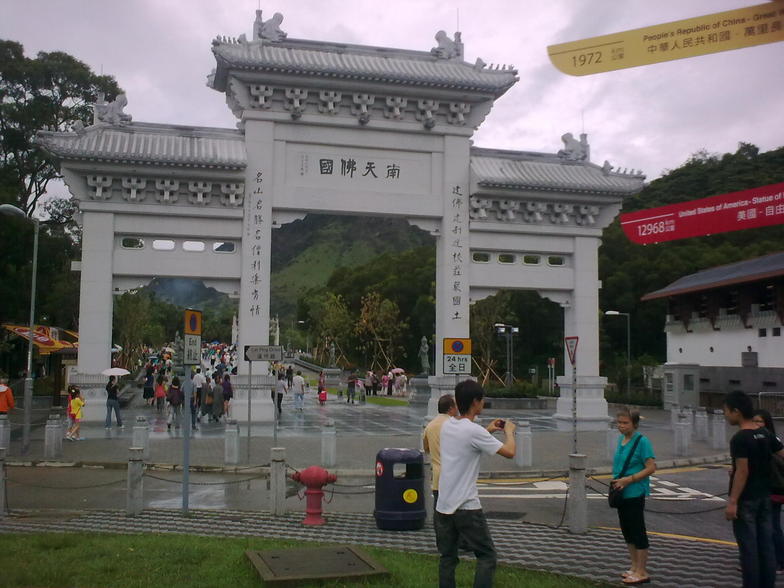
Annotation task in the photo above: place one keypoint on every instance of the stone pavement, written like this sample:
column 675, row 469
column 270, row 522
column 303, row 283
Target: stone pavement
column 600, row 555
column 361, row 431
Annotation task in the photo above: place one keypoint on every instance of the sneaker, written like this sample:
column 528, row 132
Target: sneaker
column 81, row 439
column 108, row 428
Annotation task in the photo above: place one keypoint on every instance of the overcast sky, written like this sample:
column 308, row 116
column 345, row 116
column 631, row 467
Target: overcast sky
column 650, row 118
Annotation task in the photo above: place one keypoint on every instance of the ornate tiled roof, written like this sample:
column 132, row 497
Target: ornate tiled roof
column 742, row 272
column 138, row 143
column 358, row 62
column 522, row 170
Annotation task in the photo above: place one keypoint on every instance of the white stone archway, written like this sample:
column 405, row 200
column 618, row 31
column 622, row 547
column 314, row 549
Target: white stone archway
column 348, row 129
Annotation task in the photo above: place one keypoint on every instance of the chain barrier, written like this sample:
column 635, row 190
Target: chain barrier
column 192, row 483
column 44, row 487
column 653, row 510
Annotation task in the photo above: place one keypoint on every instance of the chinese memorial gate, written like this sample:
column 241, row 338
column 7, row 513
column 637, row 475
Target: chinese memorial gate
column 339, row 129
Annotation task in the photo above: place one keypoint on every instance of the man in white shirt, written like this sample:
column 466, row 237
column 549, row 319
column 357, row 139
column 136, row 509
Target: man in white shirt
column 459, row 513
column 431, row 438
column 298, row 386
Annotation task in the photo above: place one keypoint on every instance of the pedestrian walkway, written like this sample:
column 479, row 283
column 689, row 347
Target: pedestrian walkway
column 361, row 430
column 599, row 555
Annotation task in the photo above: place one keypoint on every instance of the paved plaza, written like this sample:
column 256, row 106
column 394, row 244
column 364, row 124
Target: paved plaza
column 361, row 431
column 598, row 555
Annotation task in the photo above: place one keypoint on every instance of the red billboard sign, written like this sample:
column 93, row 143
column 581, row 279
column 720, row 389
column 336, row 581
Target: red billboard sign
column 747, row 209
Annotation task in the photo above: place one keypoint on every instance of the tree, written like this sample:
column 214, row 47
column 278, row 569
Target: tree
column 380, row 329
column 629, row 271
column 330, row 322
column 52, row 90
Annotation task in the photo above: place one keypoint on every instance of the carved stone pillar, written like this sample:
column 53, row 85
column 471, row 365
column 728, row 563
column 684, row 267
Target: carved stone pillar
column 453, row 253
column 581, row 319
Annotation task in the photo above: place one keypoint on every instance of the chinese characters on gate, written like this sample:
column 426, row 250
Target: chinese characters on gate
column 256, row 223
column 457, row 253
column 350, row 167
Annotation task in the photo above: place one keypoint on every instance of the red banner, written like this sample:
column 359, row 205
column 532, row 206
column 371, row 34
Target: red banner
column 748, row 209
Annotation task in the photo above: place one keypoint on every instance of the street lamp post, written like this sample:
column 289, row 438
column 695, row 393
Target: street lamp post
column 11, row 210
column 628, row 345
column 307, row 337
column 509, row 331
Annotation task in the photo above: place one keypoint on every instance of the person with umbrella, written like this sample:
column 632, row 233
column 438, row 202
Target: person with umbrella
column 112, row 402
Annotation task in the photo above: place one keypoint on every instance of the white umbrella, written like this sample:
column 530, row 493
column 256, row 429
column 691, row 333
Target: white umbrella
column 115, row 371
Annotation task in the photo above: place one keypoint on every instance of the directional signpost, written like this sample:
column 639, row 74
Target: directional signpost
column 191, row 356
column 571, row 349
column 261, row 353
column 457, row 356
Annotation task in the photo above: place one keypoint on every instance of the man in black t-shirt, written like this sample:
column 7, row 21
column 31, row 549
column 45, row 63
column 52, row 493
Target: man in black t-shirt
column 748, row 507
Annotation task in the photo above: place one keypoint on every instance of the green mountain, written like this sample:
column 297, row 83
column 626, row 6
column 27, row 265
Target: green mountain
column 306, row 253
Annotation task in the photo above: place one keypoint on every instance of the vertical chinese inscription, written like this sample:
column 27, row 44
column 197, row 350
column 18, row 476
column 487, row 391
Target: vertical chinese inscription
column 457, row 251
column 255, row 234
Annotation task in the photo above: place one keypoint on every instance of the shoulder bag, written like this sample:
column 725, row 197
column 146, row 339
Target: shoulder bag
column 615, row 495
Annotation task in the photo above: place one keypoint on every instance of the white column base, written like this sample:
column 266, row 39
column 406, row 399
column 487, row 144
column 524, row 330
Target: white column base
column 93, row 387
column 439, row 385
column 261, row 407
column 591, row 406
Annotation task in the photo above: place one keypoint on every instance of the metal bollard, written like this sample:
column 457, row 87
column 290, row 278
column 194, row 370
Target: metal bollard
column 524, row 452
column 52, row 438
column 278, row 481
column 682, row 435
column 674, row 412
column 5, row 431
column 701, row 425
column 719, row 431
column 612, row 439
column 232, row 443
column 577, row 501
column 329, row 441
column 135, row 490
column 2, row 482
column 141, row 436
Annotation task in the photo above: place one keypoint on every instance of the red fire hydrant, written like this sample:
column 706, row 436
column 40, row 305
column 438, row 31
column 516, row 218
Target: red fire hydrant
column 315, row 478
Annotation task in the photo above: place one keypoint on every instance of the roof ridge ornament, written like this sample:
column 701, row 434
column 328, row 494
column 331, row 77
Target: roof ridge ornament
column 268, row 30
column 111, row 112
column 448, row 48
column 575, row 150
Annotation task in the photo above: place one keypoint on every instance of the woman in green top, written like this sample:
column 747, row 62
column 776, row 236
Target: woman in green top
column 636, row 485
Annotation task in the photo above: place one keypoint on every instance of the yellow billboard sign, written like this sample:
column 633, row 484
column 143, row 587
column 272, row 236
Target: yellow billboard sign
column 722, row 31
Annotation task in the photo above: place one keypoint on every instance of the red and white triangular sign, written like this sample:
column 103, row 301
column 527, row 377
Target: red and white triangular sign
column 571, row 347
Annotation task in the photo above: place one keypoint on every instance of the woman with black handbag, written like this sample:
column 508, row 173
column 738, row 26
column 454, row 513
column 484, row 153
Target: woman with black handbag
column 633, row 464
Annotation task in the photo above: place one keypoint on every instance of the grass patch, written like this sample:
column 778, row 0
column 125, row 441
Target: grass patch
column 386, row 401
column 125, row 561
column 379, row 400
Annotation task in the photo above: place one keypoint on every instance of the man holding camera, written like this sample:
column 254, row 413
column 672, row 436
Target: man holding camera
column 459, row 513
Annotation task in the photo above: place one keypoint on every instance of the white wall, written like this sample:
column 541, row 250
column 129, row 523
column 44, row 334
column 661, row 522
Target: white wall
column 727, row 343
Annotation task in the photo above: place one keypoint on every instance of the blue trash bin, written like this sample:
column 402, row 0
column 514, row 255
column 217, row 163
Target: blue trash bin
column 400, row 485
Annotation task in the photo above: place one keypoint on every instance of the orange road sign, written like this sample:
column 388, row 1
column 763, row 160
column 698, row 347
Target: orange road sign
column 712, row 33
column 457, row 346
column 193, row 322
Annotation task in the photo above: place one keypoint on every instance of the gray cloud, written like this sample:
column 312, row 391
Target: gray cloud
column 651, row 118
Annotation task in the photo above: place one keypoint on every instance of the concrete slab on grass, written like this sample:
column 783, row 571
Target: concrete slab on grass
column 291, row 567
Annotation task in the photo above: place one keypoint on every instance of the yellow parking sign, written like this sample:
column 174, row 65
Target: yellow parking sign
column 192, row 322
column 455, row 346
